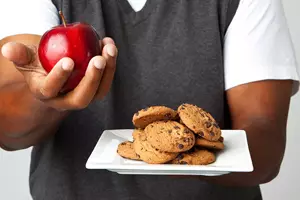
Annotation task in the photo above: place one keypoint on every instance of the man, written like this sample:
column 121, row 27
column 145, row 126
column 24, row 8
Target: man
column 233, row 58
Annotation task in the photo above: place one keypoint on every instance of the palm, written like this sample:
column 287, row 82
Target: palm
column 47, row 86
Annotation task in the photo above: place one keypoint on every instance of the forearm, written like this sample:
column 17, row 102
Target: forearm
column 24, row 120
column 266, row 152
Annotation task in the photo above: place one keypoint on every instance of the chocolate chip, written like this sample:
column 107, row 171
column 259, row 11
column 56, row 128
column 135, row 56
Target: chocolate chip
column 207, row 124
column 168, row 116
column 137, row 114
column 186, row 139
column 216, row 125
column 176, row 127
column 138, row 155
column 194, row 127
column 186, row 130
column 180, row 146
column 169, row 131
column 221, row 139
column 183, row 163
column 212, row 134
column 179, row 157
column 182, row 108
column 146, row 109
column 201, row 133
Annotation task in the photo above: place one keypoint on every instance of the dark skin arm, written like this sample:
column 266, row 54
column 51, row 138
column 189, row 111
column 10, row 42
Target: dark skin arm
column 261, row 109
column 19, row 109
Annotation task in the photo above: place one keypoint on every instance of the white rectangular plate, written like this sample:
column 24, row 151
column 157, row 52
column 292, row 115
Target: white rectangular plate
column 234, row 158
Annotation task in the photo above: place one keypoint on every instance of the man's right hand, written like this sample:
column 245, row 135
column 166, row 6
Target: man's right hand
column 46, row 86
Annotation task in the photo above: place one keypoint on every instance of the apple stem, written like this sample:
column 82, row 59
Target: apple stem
column 63, row 18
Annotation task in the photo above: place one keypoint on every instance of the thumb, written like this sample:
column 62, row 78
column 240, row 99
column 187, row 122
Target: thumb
column 17, row 53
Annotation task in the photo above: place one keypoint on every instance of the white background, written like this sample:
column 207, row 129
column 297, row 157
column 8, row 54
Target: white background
column 14, row 167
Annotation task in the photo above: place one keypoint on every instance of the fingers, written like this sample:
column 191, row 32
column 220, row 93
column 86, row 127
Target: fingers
column 95, row 84
column 56, row 78
column 84, row 93
column 46, row 86
column 109, row 52
column 17, row 53
column 106, row 41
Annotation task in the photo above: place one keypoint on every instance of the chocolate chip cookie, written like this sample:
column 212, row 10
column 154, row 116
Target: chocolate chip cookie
column 125, row 150
column 137, row 132
column 199, row 121
column 170, row 136
column 195, row 157
column 201, row 142
column 150, row 154
column 154, row 113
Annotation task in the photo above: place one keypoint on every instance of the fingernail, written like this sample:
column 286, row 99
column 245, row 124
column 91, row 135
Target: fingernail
column 67, row 66
column 13, row 43
column 111, row 50
column 99, row 63
column 6, row 48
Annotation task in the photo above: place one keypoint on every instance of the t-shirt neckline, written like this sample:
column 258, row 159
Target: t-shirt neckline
column 131, row 16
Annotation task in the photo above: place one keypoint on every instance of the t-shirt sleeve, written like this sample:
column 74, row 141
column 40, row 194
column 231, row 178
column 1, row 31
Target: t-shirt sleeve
column 27, row 17
column 258, row 45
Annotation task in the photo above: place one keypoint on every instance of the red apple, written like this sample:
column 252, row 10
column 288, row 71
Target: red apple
column 78, row 41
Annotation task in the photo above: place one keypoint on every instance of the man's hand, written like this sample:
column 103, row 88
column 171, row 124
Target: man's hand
column 46, row 87
column 31, row 105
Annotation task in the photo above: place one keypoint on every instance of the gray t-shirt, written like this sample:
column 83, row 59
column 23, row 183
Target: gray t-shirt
column 169, row 53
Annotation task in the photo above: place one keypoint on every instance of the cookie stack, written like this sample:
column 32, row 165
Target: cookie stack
column 162, row 135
